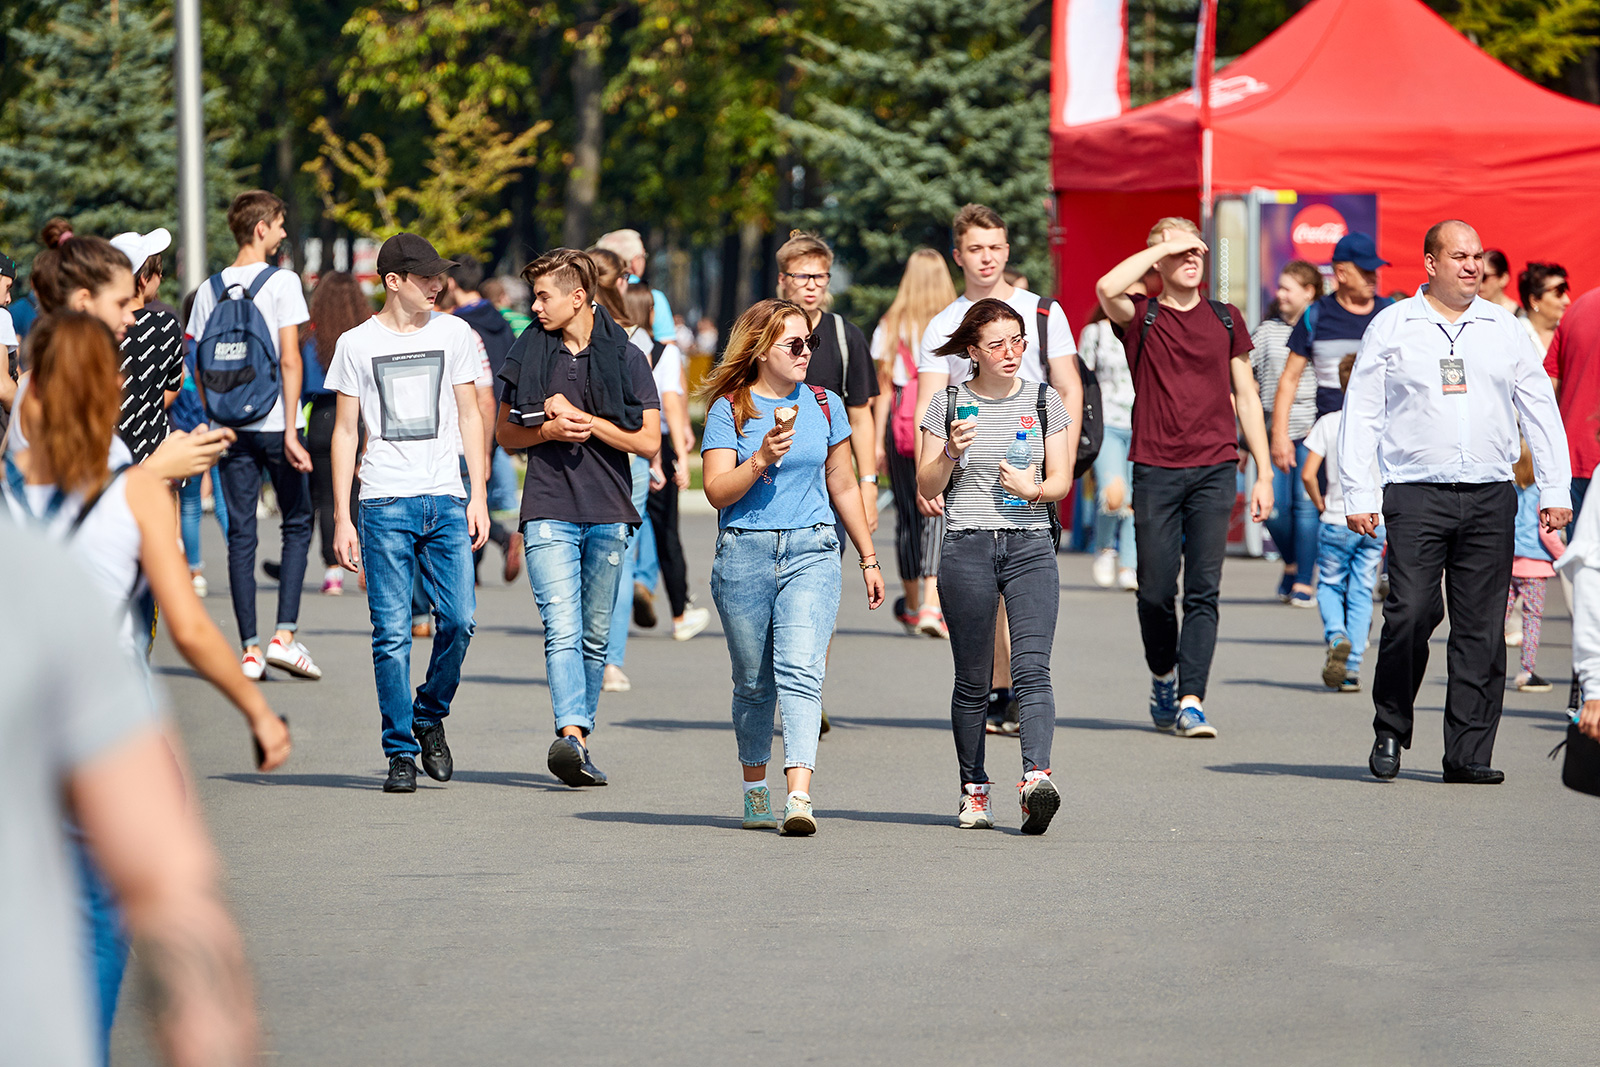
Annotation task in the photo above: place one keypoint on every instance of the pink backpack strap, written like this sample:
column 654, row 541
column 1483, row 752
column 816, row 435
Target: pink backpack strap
column 822, row 402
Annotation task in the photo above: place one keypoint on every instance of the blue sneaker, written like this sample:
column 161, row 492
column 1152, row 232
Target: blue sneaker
column 758, row 809
column 1286, row 586
column 1164, row 701
column 1192, row 723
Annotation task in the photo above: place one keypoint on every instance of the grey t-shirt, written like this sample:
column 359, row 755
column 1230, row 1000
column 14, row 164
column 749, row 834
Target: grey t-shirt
column 70, row 695
column 976, row 500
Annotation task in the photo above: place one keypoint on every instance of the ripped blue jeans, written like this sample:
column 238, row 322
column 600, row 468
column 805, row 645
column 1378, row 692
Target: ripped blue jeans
column 574, row 569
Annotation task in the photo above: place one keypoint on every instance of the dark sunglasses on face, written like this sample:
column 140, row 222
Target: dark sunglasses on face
column 1558, row 289
column 795, row 345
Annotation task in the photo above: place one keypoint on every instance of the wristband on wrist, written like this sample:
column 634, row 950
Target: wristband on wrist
column 947, row 455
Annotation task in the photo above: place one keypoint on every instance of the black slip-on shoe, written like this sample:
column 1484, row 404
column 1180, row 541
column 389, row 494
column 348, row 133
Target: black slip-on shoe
column 1385, row 759
column 1474, row 774
column 569, row 761
column 402, row 776
column 436, row 758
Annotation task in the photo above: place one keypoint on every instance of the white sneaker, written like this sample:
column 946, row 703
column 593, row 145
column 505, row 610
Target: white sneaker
column 614, row 681
column 253, row 666
column 201, row 586
column 974, row 813
column 1128, row 578
column 694, row 620
column 1104, row 570
column 292, row 657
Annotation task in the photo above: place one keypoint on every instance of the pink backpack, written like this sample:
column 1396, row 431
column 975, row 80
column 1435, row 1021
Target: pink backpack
column 903, row 420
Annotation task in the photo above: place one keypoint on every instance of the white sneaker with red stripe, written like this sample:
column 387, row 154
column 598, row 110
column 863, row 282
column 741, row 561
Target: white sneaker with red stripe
column 974, row 813
column 292, row 657
column 253, row 666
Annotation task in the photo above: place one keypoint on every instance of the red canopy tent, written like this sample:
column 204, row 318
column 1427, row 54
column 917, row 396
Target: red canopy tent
column 1348, row 96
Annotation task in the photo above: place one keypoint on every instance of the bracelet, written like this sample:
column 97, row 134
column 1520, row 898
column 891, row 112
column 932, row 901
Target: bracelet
column 868, row 479
column 947, row 455
column 865, row 566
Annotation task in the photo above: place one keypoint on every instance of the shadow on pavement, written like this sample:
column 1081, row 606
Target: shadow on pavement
column 1332, row 772
column 904, row 818
column 501, row 679
column 1269, row 641
column 517, row 779
column 317, row 781
column 1267, row 683
column 654, row 818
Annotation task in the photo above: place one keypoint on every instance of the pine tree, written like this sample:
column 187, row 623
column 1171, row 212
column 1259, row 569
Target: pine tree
column 93, row 133
column 1160, row 48
column 915, row 108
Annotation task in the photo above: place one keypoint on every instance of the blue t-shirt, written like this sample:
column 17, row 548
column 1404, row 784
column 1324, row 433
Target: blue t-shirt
column 795, row 495
column 1338, row 335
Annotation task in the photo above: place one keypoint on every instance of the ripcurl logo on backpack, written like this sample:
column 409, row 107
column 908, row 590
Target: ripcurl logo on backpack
column 236, row 360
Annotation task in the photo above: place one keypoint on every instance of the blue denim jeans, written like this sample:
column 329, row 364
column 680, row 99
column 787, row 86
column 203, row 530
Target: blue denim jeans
column 1114, row 529
column 778, row 594
column 1294, row 519
column 503, row 492
column 622, row 610
column 574, row 570
column 1348, row 569
column 400, row 537
column 190, row 512
column 106, row 941
column 242, row 467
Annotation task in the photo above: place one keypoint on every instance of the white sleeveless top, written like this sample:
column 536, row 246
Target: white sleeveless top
column 107, row 545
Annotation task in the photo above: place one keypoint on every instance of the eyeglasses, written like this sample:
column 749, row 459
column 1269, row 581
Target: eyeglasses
column 795, row 345
column 1018, row 343
column 808, row 279
column 1558, row 289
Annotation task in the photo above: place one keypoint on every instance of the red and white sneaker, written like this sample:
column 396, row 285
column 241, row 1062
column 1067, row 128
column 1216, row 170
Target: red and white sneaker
column 294, row 658
column 974, row 813
column 253, row 666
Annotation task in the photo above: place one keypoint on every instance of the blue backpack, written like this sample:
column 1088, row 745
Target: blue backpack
column 236, row 357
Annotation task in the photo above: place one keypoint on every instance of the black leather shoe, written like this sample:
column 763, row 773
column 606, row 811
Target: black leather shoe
column 1385, row 759
column 402, row 776
column 436, row 753
column 569, row 761
column 1474, row 774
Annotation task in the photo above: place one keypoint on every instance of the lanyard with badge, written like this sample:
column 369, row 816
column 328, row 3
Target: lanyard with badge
column 1453, row 371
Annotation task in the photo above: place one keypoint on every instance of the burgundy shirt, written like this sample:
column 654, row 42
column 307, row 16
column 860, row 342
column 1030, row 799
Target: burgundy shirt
column 1574, row 361
column 1183, row 385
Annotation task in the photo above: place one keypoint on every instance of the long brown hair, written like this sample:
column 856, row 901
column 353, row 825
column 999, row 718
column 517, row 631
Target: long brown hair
column 75, row 392
column 756, row 331
column 337, row 305
column 609, row 269
column 640, row 306
column 71, row 262
column 925, row 290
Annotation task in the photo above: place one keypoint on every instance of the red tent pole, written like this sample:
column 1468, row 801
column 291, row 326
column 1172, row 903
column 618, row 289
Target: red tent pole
column 1205, row 62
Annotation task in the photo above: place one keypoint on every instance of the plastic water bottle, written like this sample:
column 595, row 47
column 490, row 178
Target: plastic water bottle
column 1020, row 456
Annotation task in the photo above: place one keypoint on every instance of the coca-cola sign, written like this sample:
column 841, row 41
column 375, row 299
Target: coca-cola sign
column 1315, row 230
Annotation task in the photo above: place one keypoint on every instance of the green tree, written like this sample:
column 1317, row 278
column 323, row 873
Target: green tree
column 1538, row 38
column 935, row 103
column 1161, row 48
column 93, row 129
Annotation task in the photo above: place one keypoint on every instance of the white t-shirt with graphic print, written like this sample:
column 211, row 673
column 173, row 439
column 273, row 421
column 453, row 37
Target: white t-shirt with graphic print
column 406, row 385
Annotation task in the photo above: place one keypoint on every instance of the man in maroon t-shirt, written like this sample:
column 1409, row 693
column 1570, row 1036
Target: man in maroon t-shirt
column 1187, row 355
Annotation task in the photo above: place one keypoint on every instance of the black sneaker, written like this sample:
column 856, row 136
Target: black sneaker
column 1004, row 715
column 436, row 753
column 569, row 761
column 272, row 569
column 402, row 776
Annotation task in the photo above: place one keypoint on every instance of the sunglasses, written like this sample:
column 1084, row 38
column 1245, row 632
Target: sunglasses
column 1558, row 289
column 1018, row 343
column 796, row 345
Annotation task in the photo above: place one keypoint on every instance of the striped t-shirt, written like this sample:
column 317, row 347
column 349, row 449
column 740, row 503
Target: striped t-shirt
column 976, row 500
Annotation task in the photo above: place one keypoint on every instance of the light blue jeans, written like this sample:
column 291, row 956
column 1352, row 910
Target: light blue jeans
column 1347, row 568
column 1294, row 520
column 503, row 492
column 1114, row 529
column 574, row 570
column 622, row 612
column 403, row 538
column 778, row 594
column 190, row 511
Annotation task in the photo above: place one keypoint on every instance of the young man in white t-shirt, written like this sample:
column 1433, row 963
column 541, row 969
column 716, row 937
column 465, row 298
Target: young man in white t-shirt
column 411, row 373
column 269, row 446
column 982, row 247
column 1347, row 562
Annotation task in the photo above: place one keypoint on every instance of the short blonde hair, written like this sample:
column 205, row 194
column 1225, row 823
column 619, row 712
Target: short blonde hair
column 801, row 244
column 625, row 243
column 1171, row 222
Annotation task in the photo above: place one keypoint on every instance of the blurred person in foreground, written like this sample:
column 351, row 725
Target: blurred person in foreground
column 83, row 729
column 1581, row 564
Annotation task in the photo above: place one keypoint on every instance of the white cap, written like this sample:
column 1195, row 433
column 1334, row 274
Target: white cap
column 140, row 247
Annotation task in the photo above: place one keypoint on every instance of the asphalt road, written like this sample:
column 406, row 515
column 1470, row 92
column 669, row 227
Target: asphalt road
column 1256, row 899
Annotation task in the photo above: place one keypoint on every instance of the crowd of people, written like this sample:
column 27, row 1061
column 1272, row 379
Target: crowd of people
column 1443, row 437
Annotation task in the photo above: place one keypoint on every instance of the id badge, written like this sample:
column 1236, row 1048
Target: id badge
column 1453, row 375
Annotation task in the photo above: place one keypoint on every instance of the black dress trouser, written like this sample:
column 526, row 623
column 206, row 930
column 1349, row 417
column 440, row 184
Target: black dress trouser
column 1464, row 533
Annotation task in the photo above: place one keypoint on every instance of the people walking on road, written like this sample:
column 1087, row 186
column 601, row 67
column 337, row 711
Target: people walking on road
column 995, row 448
column 411, row 374
column 982, row 247
column 151, row 351
column 1116, row 549
column 1347, row 562
column 1496, row 280
column 925, row 290
column 1187, row 352
column 337, row 306
column 1435, row 396
column 777, row 467
column 579, row 397
column 1293, row 521
column 268, row 445
column 1531, row 569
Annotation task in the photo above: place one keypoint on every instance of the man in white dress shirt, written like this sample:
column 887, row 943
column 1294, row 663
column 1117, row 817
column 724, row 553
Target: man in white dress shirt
column 1436, row 393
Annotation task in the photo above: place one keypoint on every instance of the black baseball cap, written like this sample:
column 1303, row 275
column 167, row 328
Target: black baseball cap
column 8, row 267
column 407, row 253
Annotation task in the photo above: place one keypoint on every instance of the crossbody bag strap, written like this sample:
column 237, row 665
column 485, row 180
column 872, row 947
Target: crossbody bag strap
column 844, row 355
column 17, row 489
column 89, row 504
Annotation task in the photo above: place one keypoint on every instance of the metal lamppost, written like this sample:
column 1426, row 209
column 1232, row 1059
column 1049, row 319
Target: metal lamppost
column 191, row 146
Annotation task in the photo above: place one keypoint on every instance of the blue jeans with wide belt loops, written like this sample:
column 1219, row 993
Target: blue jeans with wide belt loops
column 778, row 594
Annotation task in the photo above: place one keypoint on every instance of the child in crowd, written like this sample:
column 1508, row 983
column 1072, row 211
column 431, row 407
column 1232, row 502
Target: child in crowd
column 1347, row 562
column 1530, row 569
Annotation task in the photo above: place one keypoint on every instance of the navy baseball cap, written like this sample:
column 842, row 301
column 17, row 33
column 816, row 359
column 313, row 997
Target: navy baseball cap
column 1360, row 249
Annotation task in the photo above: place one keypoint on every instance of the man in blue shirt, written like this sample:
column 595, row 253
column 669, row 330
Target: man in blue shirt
column 1330, row 329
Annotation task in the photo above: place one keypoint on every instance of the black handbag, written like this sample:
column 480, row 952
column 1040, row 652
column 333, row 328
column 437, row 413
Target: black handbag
column 1581, row 771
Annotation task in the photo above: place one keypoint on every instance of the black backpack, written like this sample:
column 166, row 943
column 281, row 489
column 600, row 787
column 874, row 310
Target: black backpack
column 1040, row 406
column 1092, row 428
column 1153, row 308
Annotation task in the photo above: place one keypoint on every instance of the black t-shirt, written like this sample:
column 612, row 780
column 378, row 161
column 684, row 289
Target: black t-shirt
column 827, row 368
column 152, row 365
column 589, row 482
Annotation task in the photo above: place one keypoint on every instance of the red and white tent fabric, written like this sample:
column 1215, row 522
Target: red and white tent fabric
column 1349, row 96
